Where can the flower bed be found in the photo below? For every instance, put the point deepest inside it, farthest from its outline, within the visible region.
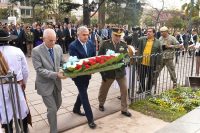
(170, 105)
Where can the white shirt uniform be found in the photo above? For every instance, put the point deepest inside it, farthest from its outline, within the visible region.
(17, 63)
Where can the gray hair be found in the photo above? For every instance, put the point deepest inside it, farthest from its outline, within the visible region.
(47, 32)
(82, 29)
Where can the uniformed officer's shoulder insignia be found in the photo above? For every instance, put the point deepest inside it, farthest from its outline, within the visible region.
(107, 41)
(123, 42)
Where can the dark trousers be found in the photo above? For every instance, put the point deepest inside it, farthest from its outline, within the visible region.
(25, 126)
(82, 98)
(145, 71)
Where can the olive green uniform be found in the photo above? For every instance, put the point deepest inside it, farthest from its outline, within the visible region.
(29, 42)
(168, 55)
(118, 74)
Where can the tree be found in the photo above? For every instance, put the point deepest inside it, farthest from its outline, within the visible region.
(148, 21)
(40, 15)
(129, 14)
(196, 23)
(156, 13)
(175, 22)
(191, 10)
(4, 13)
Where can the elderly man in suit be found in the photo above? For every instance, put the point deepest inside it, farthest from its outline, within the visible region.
(82, 48)
(47, 58)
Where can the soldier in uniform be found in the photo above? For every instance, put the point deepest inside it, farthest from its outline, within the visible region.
(169, 43)
(119, 75)
(29, 40)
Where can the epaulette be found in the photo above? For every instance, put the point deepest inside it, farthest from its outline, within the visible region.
(123, 41)
(109, 40)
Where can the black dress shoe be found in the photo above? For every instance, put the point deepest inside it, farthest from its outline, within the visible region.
(79, 112)
(92, 125)
(101, 108)
(128, 114)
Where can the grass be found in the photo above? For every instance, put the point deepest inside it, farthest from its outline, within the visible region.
(151, 109)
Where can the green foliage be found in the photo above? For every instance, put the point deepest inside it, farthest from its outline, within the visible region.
(187, 8)
(40, 15)
(171, 104)
(196, 22)
(94, 21)
(148, 108)
(148, 21)
(73, 19)
(130, 14)
(67, 7)
(4, 13)
(175, 22)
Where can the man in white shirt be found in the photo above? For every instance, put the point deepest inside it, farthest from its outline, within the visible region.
(17, 64)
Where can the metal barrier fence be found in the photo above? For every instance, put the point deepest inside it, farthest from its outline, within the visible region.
(13, 94)
(152, 80)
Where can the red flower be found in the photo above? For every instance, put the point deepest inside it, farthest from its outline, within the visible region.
(98, 59)
(85, 63)
(78, 67)
(87, 66)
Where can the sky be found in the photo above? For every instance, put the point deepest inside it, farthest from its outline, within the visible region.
(169, 4)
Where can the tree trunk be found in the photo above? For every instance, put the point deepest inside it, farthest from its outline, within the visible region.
(33, 12)
(86, 13)
(101, 17)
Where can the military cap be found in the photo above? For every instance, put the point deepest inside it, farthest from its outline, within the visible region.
(164, 28)
(117, 31)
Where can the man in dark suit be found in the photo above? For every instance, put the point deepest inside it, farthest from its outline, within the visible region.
(69, 36)
(60, 37)
(82, 48)
(21, 38)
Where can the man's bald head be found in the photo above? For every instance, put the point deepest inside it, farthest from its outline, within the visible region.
(49, 37)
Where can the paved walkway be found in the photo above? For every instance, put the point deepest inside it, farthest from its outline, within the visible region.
(116, 123)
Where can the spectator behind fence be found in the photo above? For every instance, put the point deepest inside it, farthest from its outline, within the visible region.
(196, 46)
(47, 59)
(108, 77)
(16, 62)
(169, 43)
(83, 48)
(150, 49)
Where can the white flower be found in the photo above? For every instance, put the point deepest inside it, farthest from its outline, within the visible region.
(110, 52)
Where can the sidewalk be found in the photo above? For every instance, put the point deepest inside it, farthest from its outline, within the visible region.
(117, 123)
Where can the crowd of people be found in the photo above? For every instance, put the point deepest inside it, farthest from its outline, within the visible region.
(47, 43)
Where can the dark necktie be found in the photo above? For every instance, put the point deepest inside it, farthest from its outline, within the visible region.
(51, 54)
(85, 48)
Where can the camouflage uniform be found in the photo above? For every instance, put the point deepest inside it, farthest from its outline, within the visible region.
(168, 55)
(29, 42)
